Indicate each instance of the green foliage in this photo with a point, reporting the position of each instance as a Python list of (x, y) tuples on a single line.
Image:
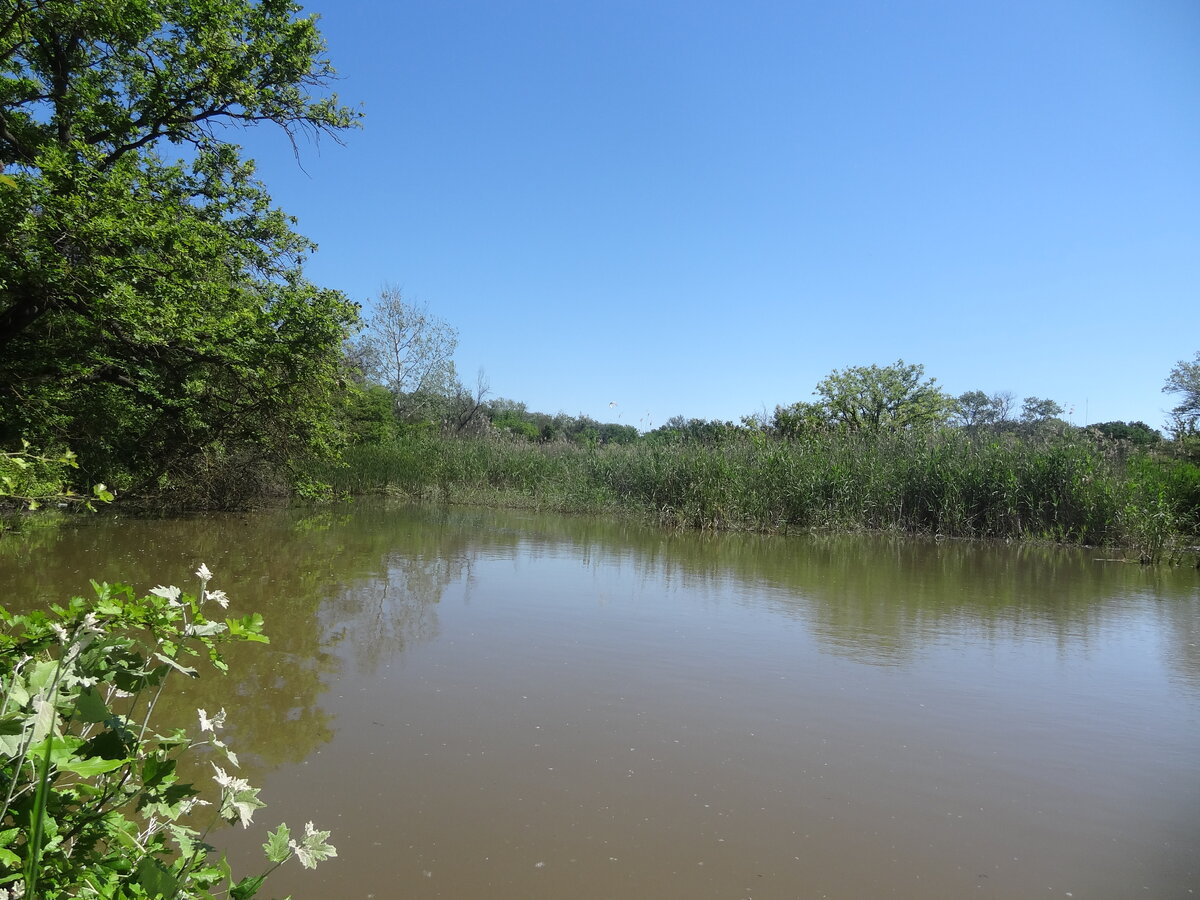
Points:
[(92, 803), (33, 478), (511, 418), (873, 399), (1138, 433), (975, 409), (510, 422), (613, 433), (29, 479), (799, 419), (408, 351), (677, 429), (368, 415), (1038, 409), (1185, 416), (152, 307), (1064, 487)]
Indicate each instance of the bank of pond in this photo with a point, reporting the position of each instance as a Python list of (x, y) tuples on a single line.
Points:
[(1069, 487)]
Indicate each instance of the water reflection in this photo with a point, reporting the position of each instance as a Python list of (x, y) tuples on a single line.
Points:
[(1181, 645), (316, 580), (827, 713), (369, 578)]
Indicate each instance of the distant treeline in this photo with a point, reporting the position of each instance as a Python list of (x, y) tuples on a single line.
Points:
[(160, 341)]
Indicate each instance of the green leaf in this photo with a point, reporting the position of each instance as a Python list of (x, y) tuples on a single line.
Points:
[(12, 724), (89, 768), (10, 745), (185, 838), (239, 804), (314, 848), (62, 749), (44, 720), (174, 793), (247, 887), (156, 770), (43, 675), (155, 879), (191, 673), (276, 847), (7, 857), (248, 628), (17, 691), (107, 745), (90, 708), (208, 629)]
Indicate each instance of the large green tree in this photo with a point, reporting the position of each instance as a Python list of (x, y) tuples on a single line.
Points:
[(153, 311), (881, 398)]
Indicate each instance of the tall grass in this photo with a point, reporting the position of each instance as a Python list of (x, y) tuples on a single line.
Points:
[(1069, 488)]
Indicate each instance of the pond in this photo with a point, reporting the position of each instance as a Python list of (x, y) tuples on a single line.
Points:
[(498, 704)]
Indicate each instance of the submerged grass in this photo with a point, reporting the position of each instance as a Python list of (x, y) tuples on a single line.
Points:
[(1068, 488)]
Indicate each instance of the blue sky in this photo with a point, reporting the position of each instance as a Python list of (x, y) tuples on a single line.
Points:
[(702, 208)]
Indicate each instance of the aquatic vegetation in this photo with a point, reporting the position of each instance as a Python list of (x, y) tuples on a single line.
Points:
[(1068, 487)]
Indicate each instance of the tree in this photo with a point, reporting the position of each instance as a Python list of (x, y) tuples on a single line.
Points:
[(678, 429), (974, 408), (1185, 379), (1039, 409), (1002, 403), (1137, 433), (874, 398), (799, 419), (153, 310), (465, 409), (410, 352)]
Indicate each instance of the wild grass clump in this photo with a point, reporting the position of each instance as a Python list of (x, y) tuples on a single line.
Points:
[(1065, 487)]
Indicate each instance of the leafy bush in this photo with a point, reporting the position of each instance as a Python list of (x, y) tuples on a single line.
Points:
[(30, 478), (91, 800)]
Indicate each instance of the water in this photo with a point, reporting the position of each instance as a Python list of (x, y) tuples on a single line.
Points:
[(510, 705)]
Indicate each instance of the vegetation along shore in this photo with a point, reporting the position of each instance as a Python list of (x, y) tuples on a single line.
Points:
[(159, 337), (162, 348)]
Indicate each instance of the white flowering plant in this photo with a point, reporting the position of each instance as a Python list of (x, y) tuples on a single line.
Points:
[(91, 802)]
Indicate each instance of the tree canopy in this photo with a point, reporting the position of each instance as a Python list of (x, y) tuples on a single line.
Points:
[(1039, 409), (153, 308), (973, 409), (1138, 433), (409, 351), (878, 398), (1185, 380)]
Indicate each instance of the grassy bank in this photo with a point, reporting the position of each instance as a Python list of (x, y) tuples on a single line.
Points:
[(1067, 488)]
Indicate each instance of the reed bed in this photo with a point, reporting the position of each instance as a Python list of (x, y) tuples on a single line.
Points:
[(1069, 488)]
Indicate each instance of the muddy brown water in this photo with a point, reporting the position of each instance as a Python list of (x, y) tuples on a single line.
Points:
[(485, 704)]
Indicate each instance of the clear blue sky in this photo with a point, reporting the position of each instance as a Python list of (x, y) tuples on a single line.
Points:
[(701, 208)]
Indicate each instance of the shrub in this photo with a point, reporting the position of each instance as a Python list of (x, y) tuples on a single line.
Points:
[(91, 802)]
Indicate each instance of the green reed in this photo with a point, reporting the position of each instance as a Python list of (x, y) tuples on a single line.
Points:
[(1069, 487)]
